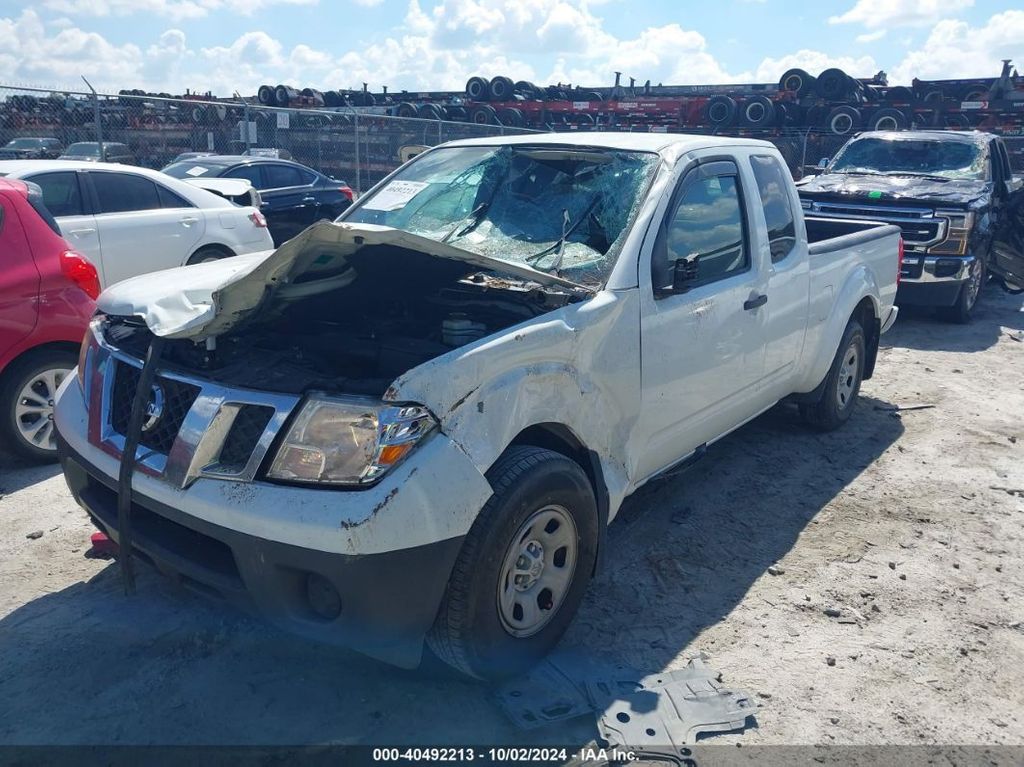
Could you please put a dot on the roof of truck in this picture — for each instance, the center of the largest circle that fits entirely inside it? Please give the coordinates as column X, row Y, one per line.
column 637, row 142
column 966, row 136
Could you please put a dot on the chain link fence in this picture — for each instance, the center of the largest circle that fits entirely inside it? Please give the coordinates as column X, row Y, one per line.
column 359, row 145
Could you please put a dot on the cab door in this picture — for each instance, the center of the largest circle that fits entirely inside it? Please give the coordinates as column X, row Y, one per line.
column 1006, row 259
column 702, row 339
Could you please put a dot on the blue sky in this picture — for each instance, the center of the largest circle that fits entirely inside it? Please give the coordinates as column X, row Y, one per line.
column 224, row 45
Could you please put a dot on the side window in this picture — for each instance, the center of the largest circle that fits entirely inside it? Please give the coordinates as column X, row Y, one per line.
column 773, row 188
column 169, row 199
column 279, row 176
column 123, row 192
column 249, row 173
column 707, row 226
column 61, row 193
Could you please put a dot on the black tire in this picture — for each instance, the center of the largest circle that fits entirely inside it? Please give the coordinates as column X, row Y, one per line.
column 405, row 109
column 511, row 117
column 842, row 121
column 974, row 93
column 21, row 373
column 502, row 89
column 758, row 112
column 901, row 94
column 478, row 89
column 720, row 111
column 265, row 95
column 528, row 90
column 932, row 96
column 797, row 81
column 833, row 410
column 456, row 113
column 429, row 112
column 483, row 115
column 888, row 119
column 835, row 85
column 469, row 633
column 967, row 299
column 791, row 113
column 332, row 99
column 208, row 253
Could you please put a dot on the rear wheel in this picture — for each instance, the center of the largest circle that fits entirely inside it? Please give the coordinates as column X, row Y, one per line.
column 523, row 568
column 207, row 254
column 27, row 395
column 842, row 384
column 967, row 299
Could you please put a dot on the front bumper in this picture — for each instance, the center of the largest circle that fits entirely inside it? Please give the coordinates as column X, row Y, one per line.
column 387, row 551
column 932, row 280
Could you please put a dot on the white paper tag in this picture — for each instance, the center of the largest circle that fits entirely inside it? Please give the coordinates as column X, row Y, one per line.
column 196, row 170
column 395, row 195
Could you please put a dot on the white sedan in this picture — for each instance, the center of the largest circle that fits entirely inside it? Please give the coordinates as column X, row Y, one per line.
column 130, row 221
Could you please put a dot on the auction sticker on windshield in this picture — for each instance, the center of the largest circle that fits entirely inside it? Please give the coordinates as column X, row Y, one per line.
column 196, row 170
column 395, row 195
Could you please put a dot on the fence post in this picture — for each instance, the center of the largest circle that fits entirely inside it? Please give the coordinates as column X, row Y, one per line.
column 96, row 118
column 246, row 117
column 359, row 170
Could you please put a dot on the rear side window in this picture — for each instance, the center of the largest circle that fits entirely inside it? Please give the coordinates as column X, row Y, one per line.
column 773, row 188
column 169, row 199
column 123, row 192
column 284, row 175
column 35, row 199
column 61, row 193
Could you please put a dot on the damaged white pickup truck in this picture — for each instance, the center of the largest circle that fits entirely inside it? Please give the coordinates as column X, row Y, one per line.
column 417, row 422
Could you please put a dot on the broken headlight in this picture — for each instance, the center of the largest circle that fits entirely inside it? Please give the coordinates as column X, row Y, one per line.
column 348, row 441
column 959, row 225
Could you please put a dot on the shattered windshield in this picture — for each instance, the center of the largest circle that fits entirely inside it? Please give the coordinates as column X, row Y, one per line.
column 558, row 210
column 913, row 157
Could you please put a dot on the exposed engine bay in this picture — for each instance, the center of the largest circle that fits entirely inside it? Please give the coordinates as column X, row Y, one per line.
column 354, row 331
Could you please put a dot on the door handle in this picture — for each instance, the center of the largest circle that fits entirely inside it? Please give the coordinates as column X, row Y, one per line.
column 309, row 199
column 753, row 303
column 189, row 220
column 82, row 231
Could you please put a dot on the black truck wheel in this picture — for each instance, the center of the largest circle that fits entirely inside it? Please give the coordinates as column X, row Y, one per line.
column 842, row 384
column 797, row 81
column 477, row 89
column 888, row 119
column 835, row 85
column 962, row 311
column 502, row 89
column 842, row 121
column 720, row 111
column 523, row 568
column 758, row 112
column 483, row 115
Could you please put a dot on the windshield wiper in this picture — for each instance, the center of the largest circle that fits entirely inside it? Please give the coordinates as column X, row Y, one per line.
column 931, row 176
column 567, row 230
column 475, row 219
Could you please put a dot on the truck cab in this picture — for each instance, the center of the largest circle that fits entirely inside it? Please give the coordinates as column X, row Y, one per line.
column 954, row 196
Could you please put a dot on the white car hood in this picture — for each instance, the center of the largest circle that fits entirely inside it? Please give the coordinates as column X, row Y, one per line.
column 205, row 300
column 228, row 188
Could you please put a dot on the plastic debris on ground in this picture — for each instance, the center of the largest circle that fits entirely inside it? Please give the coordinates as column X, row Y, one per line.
column 645, row 712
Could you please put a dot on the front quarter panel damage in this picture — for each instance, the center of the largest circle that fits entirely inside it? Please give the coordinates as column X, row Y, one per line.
column 578, row 367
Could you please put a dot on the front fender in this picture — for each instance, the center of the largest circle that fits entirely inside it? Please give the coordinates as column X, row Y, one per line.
column 578, row 366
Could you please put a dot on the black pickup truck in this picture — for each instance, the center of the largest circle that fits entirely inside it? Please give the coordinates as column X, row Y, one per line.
column 954, row 196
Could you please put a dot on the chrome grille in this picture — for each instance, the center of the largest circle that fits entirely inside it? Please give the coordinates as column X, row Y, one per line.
column 204, row 429
column 920, row 226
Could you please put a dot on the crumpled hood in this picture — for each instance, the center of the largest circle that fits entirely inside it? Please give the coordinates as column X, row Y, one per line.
column 866, row 187
column 205, row 300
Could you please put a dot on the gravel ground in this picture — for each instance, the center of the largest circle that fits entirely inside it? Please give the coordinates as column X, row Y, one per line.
column 867, row 585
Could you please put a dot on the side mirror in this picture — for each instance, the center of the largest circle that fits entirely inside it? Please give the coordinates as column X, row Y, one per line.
column 823, row 163
column 684, row 272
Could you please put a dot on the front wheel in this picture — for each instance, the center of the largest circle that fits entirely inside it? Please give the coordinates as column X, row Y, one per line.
column 27, row 395
column 523, row 568
column 842, row 384
column 967, row 298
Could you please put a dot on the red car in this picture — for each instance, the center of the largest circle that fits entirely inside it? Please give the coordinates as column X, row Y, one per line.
column 46, row 301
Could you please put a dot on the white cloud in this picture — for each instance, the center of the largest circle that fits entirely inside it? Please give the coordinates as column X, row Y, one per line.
column 770, row 69
column 870, row 37
column 956, row 49
column 899, row 13
column 177, row 10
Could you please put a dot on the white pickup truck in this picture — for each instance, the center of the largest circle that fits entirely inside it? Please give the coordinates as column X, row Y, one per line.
column 417, row 422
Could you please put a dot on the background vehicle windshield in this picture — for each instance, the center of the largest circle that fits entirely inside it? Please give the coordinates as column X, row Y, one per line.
column 24, row 143
column 552, row 208
column 85, row 148
column 914, row 157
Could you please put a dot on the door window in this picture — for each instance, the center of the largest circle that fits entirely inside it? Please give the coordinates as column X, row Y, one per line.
column 123, row 192
column 61, row 193
column 707, row 225
column 773, row 189
column 279, row 176
column 250, row 173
